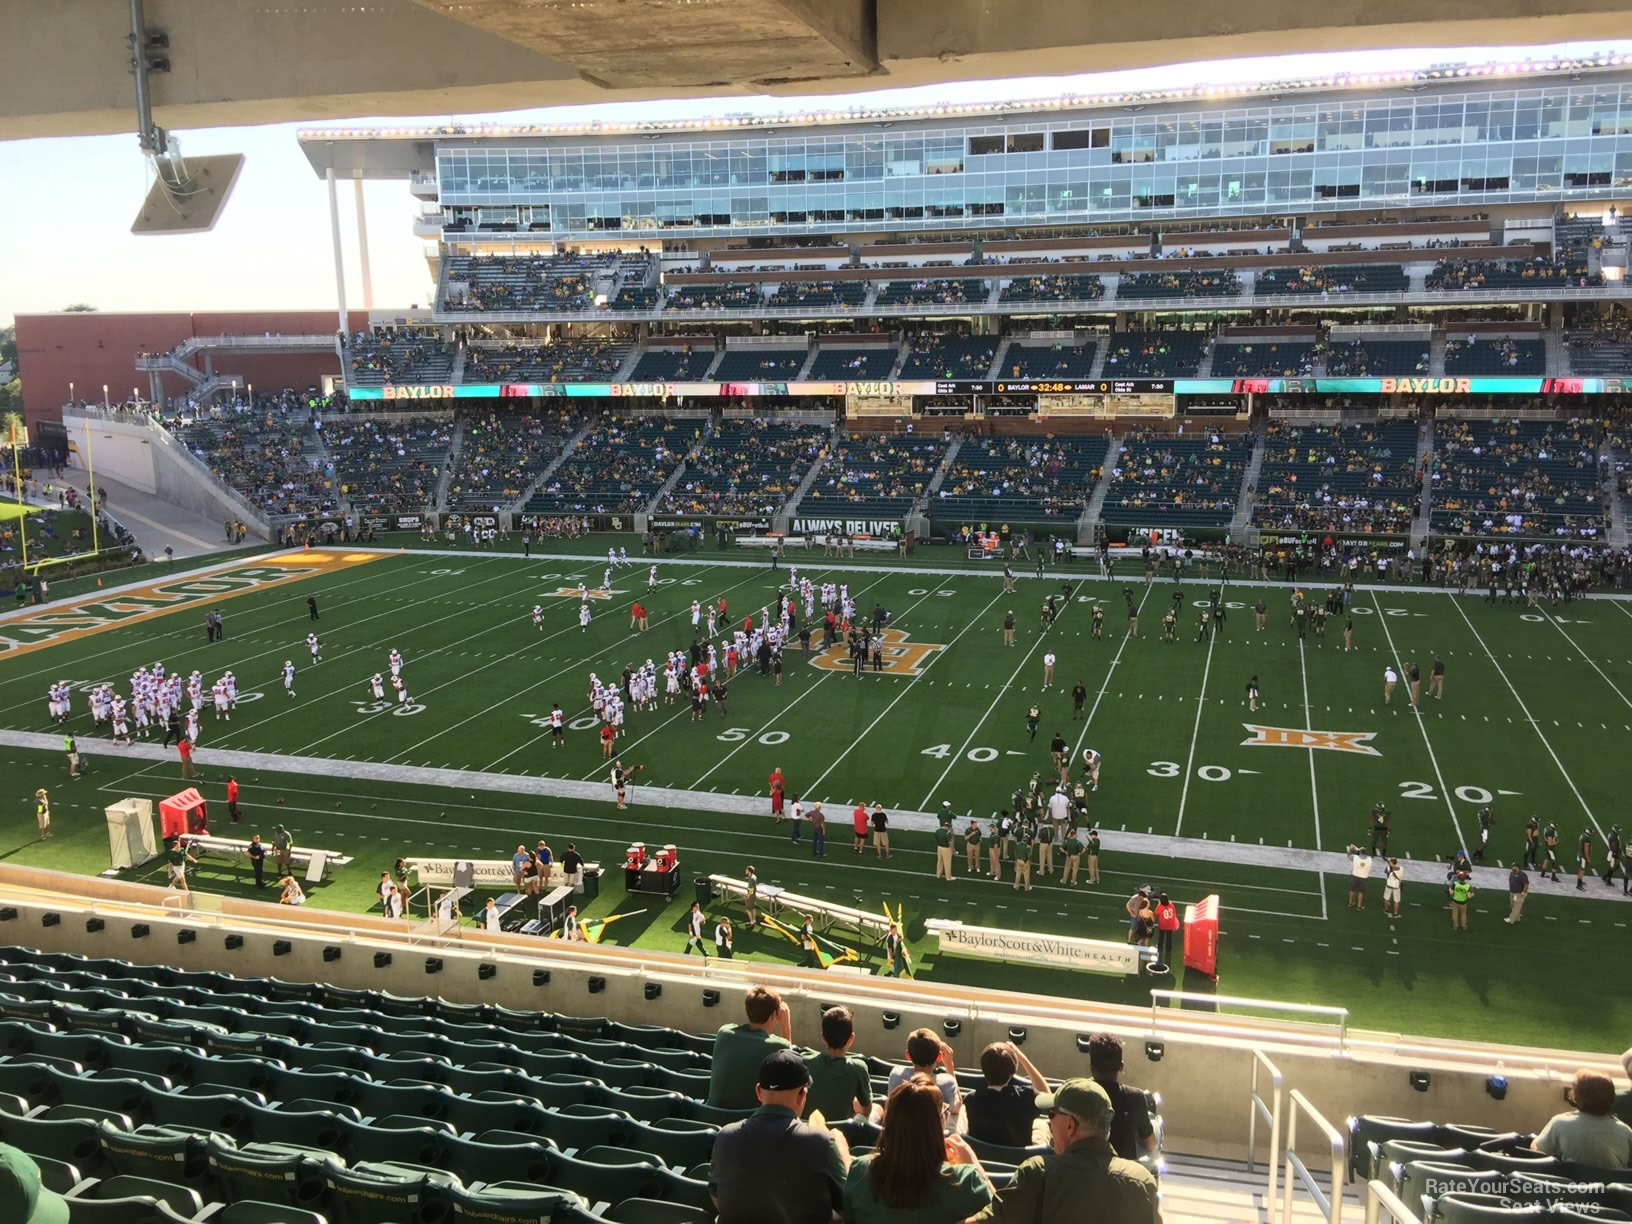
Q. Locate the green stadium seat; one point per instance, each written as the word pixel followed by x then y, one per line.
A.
pixel 1471 1208
pixel 270 1172
pixel 1375 1129
pixel 1526 1162
pixel 1418 1178
pixel 516 1203
pixel 476 1161
pixel 292 992
pixel 168 1063
pixel 495 1111
pixel 379 1195
pixel 57 1175
pixel 677 1142
pixel 647 1036
pixel 142 1210
pixel 680 1188
pixel 419 1068
pixel 39 1011
pixel 388 1042
pixel 655 1211
pixel 689 1083
pixel 30 1081
pixel 11 1103
pixel 703 1112
pixel 604 1183
pixel 860 1133
pixel 250 1212
pixel 1401 1151
pixel 276 1125
pixel 1575 1211
pixel 314 1105
pixel 291 1082
pixel 221 1114
pixel 468 1082
pixel 618 1156
pixel 378 1100
pixel 590 1027
pixel 388 1004
pixel 71 1140
pixel 65 1065
pixel 183 1200
pixel 649 1104
pixel 155 1151
pixel 394 1137
pixel 629 1073
pixel 151 1031
pixel 218 1090
pixel 131 1073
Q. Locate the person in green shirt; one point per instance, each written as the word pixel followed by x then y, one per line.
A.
pixel 750 899
pixel 1092 851
pixel 1022 859
pixel 1073 858
pixel 916 1175
pixel 177 858
pixel 739 1049
pixel 995 842
pixel 971 846
pixel 1045 847
pixel 840 1086
pixel 1461 892
pixel 943 852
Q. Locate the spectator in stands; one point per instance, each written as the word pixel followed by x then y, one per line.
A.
pixel 1003 1109
pixel 772 1166
pixel 1131 1133
pixel 739 1049
pixel 1623 1102
pixel 927 1054
pixel 916 1173
pixel 23 1196
pixel 1589 1134
pixel 1081 1178
pixel 839 1083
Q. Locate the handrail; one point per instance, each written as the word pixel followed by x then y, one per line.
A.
pixel 1271 1114
pixel 1380 1200
pixel 1329 1205
pixel 1340 1014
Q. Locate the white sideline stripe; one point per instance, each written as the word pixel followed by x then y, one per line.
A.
pixel 1417 716
pixel 1568 781
pixel 666 798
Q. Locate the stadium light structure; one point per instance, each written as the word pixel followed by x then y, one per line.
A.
pixel 186 196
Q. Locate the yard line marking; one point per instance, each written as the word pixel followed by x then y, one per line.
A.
pixel 1314 790
pixel 834 763
pixel 1568 781
pixel 1421 726
pixel 1553 621
pixel 1195 732
pixel 1076 752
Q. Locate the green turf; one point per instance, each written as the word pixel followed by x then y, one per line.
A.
pixel 1172 764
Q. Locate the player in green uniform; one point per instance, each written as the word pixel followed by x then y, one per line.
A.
pixel 1098 622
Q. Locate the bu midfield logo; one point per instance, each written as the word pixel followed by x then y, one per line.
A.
pixel 1297 737
pixel 572 593
pixel 902 656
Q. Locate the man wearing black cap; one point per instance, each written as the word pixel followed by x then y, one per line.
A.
pixel 1080 1171
pixel 809 1163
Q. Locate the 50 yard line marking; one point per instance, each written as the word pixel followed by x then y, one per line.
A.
pixel 1195 731
pixel 1525 710
pixel 1417 715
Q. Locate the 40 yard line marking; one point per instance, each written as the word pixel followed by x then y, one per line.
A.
pixel 1195 730
pixel 1417 714
pixel 1564 773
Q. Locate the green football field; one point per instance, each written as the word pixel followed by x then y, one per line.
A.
pixel 1198 794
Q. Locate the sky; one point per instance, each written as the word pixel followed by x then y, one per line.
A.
pixel 66 209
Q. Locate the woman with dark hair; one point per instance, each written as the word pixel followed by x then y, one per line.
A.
pixel 1589 1134
pixel 916 1174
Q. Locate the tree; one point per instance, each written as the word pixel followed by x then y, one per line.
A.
pixel 79 308
pixel 8 345
pixel 11 404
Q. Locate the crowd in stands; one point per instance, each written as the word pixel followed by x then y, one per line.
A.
pixel 714 297
pixel 260 453
pixel 618 466
pixel 1199 282
pixel 1054 475
pixel 1049 361
pixel 1376 358
pixel 1541 272
pixel 635 298
pixel 1338 477
pixel 525 282
pixel 1159 477
pixel 1276 359
pixel 745 467
pixel 567 360
pixel 890 470
pixel 759 365
pixel 1154 354
pixel 1329 279
pixel 853 363
pixel 1494 355
pixel 1053 288
pixel 500 454
pixel 390 466
pixel 674 364
pixel 817 295
pixel 941 355
pixel 1518 477
pixel 400 355
pixel 931 293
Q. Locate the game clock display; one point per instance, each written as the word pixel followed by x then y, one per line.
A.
pixel 1096 386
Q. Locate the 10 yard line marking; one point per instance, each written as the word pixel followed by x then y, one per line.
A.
pixel 1553 621
pixel 1422 726
pixel 1525 710
pixel 1195 731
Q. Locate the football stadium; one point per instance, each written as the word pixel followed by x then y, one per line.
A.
pixel 1105 611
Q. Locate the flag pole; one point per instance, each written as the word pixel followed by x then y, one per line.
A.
pixel 22 507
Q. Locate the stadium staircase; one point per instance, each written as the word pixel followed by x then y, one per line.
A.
pixel 457 374
pixel 681 467
pixel 1209 1188
pixel 1417 275
pixel 1249 490
pixel 1425 450
pixel 1558 353
pixel 1095 509
pixel 1099 357
pixel 810 360
pixel 549 472
pixel 945 467
pixel 1436 353
pixel 1205 369
pixel 1000 359
pixel 1615 533
pixel 792 505
pixel 630 361
pixel 454 447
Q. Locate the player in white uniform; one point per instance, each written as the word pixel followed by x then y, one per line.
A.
pixel 192 726
pixel 606 580
pixel 315 646
pixel 1090 767
pixel 231 681
pixel 139 704
pixel 289 677
pixel 696 615
pixel 711 622
pixel 396 663
pixel 121 728
pixel 538 617
pixel 218 694
pixel 611 559
pixel 558 727
pixel 376 686
pixel 651 579
pixel 671 686
pixel 401 690
pixel 623 556
pixel 583 616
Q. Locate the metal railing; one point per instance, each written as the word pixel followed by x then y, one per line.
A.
pixel 1382 1204
pixel 1329 1205
pixel 1270 1113
pixel 1158 997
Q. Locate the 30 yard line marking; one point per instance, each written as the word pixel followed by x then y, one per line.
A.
pixel 1195 732
pixel 1564 773
pixel 1421 726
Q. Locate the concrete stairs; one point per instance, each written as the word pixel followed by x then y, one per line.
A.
pixel 1205 369
pixel 1436 353
pixel 457 374
pixel 792 506
pixel 543 477
pixel 1249 488
pixel 1095 508
pixel 631 358
pixel 1099 358
pixel 946 465
pixel 1558 353
pixel 1615 533
pixel 679 471
pixel 1214 1190
pixel 1417 275
pixel 998 359
pixel 804 370
pixel 455 447
pixel 1425 448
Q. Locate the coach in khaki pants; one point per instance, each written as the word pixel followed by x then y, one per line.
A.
pixel 943 852
pixel 1518 888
